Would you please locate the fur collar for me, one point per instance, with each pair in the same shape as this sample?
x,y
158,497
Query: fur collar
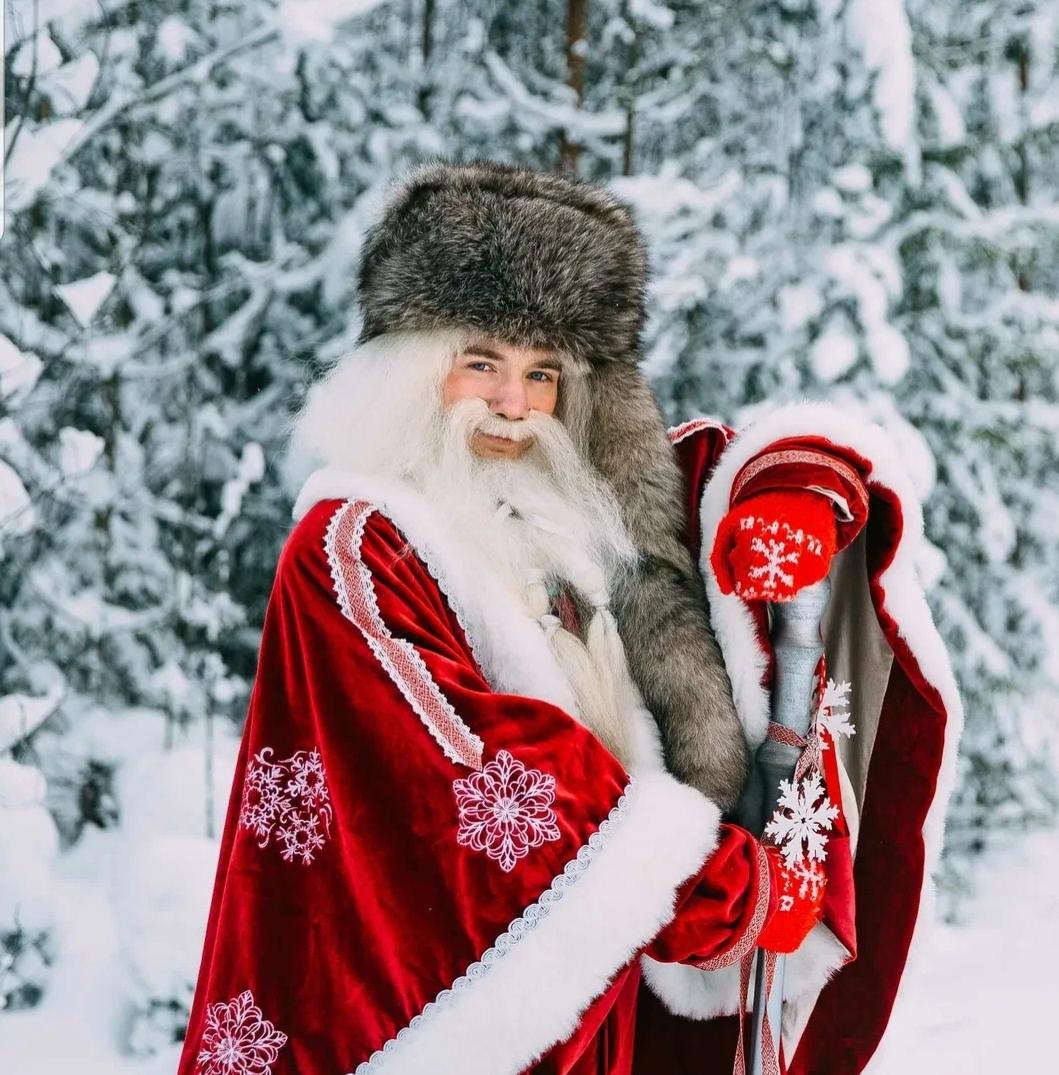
x,y
509,645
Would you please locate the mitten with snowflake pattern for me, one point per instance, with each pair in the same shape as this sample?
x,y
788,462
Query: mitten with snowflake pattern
x,y
773,544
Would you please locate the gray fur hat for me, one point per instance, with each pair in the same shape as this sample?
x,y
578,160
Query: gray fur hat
x,y
540,259
529,257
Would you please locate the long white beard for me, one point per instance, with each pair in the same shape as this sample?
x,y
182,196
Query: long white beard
x,y
545,518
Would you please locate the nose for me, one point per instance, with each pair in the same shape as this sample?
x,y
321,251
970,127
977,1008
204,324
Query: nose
x,y
510,400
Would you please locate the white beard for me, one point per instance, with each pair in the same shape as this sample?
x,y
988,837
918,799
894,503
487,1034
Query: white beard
x,y
545,518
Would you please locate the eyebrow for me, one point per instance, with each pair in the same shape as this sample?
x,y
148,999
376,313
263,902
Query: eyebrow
x,y
549,362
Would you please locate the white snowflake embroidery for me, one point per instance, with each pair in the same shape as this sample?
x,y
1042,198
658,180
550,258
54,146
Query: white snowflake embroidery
x,y
778,545
505,809
833,714
776,555
238,1040
810,877
803,815
287,799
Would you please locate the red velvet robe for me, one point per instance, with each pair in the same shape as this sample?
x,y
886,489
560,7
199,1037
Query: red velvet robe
x,y
429,865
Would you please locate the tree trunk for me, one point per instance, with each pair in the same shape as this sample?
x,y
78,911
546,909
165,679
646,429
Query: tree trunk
x,y
576,49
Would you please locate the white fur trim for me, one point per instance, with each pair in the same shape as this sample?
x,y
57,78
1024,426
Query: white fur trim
x,y
682,988
500,1020
903,595
510,646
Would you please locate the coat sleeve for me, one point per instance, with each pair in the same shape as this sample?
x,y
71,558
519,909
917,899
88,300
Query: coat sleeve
x,y
408,854
723,908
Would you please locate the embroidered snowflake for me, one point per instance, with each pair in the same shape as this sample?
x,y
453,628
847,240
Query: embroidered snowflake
x,y
809,876
833,714
287,799
301,837
775,555
238,1039
263,798
803,815
308,778
506,809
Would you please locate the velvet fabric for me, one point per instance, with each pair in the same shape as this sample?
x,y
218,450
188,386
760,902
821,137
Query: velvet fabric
x,y
873,903
423,872
400,835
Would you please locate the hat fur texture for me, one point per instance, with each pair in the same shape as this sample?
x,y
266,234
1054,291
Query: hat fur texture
x,y
542,260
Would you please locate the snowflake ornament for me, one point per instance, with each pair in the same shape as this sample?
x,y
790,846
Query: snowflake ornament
x,y
833,713
287,800
505,810
803,815
238,1039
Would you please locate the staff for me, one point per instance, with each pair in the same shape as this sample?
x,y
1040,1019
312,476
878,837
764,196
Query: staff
x,y
798,645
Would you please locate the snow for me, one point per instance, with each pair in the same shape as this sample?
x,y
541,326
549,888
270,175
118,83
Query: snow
x,y
84,297
307,21
18,514
983,996
881,29
19,371
40,57
78,450
833,352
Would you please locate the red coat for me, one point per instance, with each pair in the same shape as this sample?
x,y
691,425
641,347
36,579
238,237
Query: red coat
x,y
428,865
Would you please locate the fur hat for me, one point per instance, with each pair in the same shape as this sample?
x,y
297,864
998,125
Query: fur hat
x,y
540,259
528,257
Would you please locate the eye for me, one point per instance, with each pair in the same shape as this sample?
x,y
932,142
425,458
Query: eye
x,y
479,364
545,377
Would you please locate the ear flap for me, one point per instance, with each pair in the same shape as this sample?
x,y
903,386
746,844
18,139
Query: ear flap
x,y
661,610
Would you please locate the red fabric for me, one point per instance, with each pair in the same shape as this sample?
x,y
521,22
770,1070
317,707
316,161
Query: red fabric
x,y
890,856
808,463
318,962
772,544
344,900
871,906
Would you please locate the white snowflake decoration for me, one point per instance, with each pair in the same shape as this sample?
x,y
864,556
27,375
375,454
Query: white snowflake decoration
x,y
778,545
803,815
238,1039
287,799
506,809
810,877
833,714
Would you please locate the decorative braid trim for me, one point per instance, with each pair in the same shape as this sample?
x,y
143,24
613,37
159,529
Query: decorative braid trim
x,y
794,455
515,932
355,591
749,936
677,433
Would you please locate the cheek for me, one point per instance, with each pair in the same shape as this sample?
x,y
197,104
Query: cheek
x,y
544,397
458,386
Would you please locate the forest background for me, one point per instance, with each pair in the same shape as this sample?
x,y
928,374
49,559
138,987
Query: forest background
x,y
855,200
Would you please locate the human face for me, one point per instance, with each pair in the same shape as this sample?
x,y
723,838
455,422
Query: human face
x,y
512,380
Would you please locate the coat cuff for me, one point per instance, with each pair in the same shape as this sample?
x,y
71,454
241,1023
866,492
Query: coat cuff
x,y
564,949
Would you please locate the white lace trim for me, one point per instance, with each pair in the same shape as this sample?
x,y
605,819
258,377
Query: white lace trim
x,y
515,932
403,664
677,433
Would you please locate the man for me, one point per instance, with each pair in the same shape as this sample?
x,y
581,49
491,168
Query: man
x,y
435,858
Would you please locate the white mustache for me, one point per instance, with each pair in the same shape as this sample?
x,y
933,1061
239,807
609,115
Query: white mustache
x,y
496,425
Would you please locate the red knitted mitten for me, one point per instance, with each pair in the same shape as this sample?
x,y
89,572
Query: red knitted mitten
x,y
773,544
799,903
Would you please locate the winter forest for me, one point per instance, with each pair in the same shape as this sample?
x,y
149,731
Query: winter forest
x,y
855,200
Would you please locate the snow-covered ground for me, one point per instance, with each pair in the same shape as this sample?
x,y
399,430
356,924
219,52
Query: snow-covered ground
x,y
984,997
983,1002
